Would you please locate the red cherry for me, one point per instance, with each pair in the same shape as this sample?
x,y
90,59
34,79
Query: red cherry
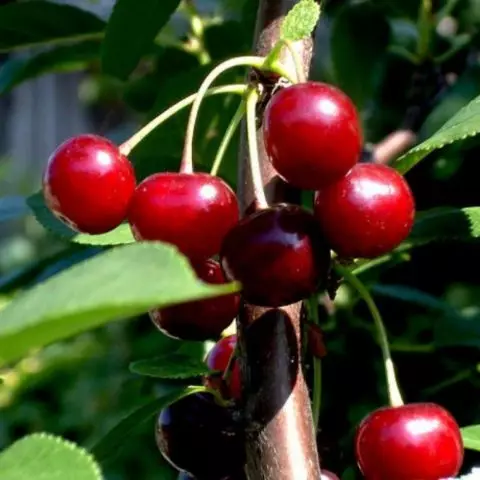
x,y
278,254
367,213
201,438
312,134
88,184
420,441
200,319
192,211
218,359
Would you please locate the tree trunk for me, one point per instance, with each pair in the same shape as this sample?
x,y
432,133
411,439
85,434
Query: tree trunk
x,y
280,434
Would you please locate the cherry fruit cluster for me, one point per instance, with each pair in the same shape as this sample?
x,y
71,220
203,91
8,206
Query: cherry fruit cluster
x,y
281,254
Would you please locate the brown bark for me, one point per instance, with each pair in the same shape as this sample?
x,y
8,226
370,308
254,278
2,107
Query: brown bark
x,y
280,435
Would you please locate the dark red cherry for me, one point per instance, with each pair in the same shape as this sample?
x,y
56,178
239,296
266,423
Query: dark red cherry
x,y
192,211
218,359
201,438
367,213
278,254
420,441
200,319
88,184
312,134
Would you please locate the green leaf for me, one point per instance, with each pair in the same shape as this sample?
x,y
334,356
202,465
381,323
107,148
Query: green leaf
x,y
357,51
29,24
65,58
300,21
471,437
107,447
13,207
45,456
119,283
142,20
465,124
174,365
120,235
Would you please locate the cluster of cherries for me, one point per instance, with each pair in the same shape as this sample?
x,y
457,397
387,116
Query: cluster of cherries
x,y
280,254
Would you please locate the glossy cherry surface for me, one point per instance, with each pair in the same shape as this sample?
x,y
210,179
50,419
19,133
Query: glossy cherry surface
x,y
88,184
199,437
367,213
278,254
312,134
192,211
420,441
201,319
218,359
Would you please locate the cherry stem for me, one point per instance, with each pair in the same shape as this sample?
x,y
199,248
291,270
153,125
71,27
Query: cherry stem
x,y
394,394
135,139
229,133
317,365
186,165
255,169
231,361
301,78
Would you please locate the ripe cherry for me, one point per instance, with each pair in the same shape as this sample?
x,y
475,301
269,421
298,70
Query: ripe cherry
x,y
192,211
367,213
420,441
88,184
200,319
201,438
218,359
278,254
312,134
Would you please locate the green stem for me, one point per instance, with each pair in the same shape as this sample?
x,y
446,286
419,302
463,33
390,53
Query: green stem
x,y
186,164
255,169
317,367
227,138
133,141
394,394
425,28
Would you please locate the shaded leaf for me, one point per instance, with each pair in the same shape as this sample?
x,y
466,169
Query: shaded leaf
x,y
120,283
357,52
142,20
65,58
460,329
465,124
28,24
107,447
471,437
300,21
172,365
45,456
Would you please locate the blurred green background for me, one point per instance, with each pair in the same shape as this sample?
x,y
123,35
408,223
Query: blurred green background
x,y
430,298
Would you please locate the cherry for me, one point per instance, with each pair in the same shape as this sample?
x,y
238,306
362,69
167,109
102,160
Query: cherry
x,y
367,213
200,319
312,134
420,441
218,359
192,211
199,437
278,254
88,184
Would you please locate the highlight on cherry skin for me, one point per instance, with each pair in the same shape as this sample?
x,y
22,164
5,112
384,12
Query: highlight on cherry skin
x,y
367,213
88,184
218,359
201,319
278,254
192,211
312,134
414,441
